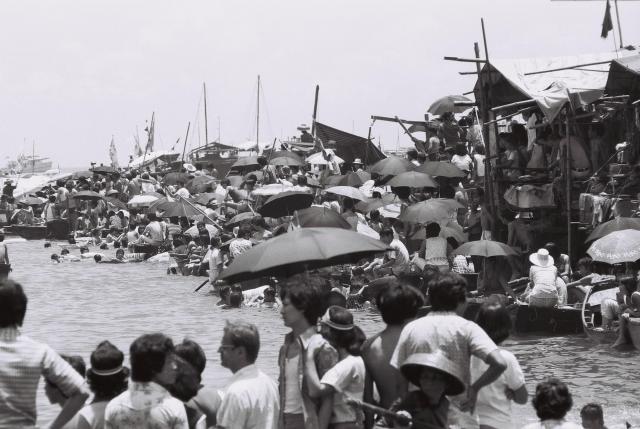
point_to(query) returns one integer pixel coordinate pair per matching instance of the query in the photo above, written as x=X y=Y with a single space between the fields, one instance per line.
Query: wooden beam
x=465 y=60
x=526 y=109
x=510 y=105
x=614 y=97
x=568 y=67
x=389 y=119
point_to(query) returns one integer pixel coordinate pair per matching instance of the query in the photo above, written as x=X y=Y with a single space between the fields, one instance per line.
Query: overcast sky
x=74 y=73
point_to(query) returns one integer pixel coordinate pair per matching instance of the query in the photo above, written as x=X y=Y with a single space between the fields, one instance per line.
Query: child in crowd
x=56 y=396
x=436 y=376
x=494 y=401
x=592 y=416
x=346 y=378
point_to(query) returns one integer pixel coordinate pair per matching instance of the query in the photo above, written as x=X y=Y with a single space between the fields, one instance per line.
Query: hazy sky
x=74 y=73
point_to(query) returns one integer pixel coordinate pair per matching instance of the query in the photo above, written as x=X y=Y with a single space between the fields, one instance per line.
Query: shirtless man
x=398 y=304
x=4 y=256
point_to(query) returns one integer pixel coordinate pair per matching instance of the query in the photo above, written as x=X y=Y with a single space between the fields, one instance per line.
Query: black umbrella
x=175 y=178
x=104 y=169
x=88 y=195
x=351 y=179
x=320 y=217
x=285 y=203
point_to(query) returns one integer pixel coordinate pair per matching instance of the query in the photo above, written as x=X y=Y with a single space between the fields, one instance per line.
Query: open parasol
x=392 y=166
x=440 y=169
x=348 y=191
x=104 y=169
x=616 y=224
x=88 y=195
x=300 y=250
x=246 y=161
x=425 y=212
x=180 y=208
x=485 y=248
x=413 y=179
x=350 y=179
x=286 y=161
x=617 y=247
x=141 y=200
x=320 y=217
x=175 y=178
x=285 y=203
x=450 y=103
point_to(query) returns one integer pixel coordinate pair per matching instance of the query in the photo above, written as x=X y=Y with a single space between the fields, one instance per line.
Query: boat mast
x=33 y=157
x=206 y=131
x=315 y=111
x=258 y=119
x=186 y=137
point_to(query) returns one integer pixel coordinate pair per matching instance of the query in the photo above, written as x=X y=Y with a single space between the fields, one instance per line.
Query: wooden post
x=206 y=128
x=568 y=181
x=615 y=2
x=315 y=111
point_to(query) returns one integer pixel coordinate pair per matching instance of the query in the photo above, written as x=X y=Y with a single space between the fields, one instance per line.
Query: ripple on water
x=74 y=306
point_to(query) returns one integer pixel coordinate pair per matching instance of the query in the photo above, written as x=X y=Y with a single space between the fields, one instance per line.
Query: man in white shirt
x=147 y=403
x=395 y=258
x=459 y=339
x=251 y=399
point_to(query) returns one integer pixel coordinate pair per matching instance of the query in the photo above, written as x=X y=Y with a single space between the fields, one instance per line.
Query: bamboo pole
x=466 y=60
x=526 y=109
x=515 y=104
x=568 y=67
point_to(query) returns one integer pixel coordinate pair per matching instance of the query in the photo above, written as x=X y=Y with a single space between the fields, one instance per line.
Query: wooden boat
x=634 y=331
x=592 y=318
x=30 y=232
x=529 y=319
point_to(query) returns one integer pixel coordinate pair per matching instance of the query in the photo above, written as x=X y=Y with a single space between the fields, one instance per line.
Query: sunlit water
x=74 y=306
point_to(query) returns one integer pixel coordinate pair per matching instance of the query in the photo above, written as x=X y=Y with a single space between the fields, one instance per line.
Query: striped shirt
x=22 y=362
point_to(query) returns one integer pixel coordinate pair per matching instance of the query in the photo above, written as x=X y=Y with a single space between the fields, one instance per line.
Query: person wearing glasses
x=250 y=400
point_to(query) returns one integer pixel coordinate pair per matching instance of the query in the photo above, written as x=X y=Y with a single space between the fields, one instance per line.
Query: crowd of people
x=433 y=371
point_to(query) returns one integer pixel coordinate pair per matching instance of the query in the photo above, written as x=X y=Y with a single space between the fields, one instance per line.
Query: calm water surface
x=74 y=306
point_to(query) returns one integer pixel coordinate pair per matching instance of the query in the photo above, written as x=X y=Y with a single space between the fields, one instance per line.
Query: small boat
x=58 y=229
x=30 y=232
x=591 y=316
x=529 y=319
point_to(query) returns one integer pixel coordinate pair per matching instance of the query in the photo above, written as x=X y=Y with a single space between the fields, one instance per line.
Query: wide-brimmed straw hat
x=357 y=161
x=541 y=258
x=413 y=365
x=106 y=360
x=189 y=167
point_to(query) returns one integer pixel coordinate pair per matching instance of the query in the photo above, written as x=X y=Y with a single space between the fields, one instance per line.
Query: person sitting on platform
x=153 y=234
x=545 y=289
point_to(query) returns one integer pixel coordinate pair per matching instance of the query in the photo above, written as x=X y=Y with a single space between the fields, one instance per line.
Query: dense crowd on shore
x=434 y=371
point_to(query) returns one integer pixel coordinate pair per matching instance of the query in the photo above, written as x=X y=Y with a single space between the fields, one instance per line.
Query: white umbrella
x=348 y=191
x=272 y=189
x=318 y=158
x=193 y=231
x=365 y=229
x=141 y=200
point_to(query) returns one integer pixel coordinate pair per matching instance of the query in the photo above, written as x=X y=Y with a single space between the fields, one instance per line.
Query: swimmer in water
x=55 y=259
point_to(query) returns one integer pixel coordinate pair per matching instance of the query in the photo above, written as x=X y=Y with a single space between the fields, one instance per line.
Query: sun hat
x=541 y=258
x=357 y=161
x=524 y=215
x=189 y=167
x=413 y=365
x=106 y=360
x=326 y=320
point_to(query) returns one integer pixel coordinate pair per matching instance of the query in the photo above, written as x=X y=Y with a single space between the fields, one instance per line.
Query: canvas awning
x=511 y=81
x=624 y=77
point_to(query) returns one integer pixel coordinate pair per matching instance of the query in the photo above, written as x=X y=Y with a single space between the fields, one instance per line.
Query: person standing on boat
x=50 y=211
x=9 y=187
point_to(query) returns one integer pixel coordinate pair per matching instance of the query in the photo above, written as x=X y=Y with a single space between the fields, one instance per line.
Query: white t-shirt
x=215 y=264
x=493 y=408
x=464 y=162
x=399 y=252
x=347 y=378
x=479 y=164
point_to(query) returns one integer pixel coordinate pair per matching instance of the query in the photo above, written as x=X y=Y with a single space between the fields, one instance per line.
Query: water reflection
x=74 y=306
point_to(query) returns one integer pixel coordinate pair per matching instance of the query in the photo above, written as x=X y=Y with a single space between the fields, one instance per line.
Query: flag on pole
x=113 y=154
x=150 y=133
x=137 y=150
x=607 y=24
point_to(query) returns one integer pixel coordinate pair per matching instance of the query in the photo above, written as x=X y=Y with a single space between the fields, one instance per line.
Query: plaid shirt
x=22 y=363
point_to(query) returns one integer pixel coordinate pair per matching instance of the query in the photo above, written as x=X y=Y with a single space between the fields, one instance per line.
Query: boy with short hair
x=592 y=416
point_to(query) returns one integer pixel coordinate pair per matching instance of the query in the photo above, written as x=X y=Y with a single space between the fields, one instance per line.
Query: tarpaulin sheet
x=550 y=90
x=624 y=77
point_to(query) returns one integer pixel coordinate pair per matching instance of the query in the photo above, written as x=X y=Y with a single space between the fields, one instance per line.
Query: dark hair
x=432 y=229
x=447 y=291
x=244 y=231
x=461 y=149
x=351 y=340
x=235 y=299
x=242 y=334
x=552 y=399
x=13 y=304
x=592 y=411
x=304 y=298
x=412 y=154
x=387 y=232
x=348 y=204
x=191 y=351
x=148 y=354
x=479 y=149
x=399 y=303
x=225 y=291
x=554 y=250
x=106 y=387
x=585 y=262
x=76 y=362
x=302 y=181
x=494 y=319
x=215 y=241
x=151 y=217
